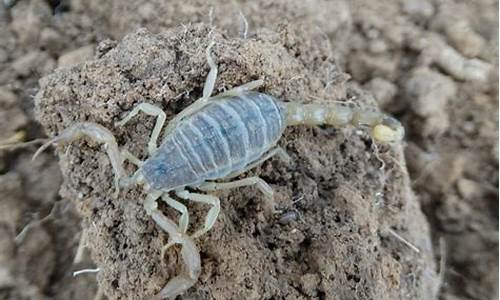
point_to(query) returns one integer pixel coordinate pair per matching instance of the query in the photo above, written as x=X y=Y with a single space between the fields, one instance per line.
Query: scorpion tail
x=383 y=128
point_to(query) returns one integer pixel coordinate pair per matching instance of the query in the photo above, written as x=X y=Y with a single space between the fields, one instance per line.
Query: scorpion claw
x=190 y=254
x=176 y=286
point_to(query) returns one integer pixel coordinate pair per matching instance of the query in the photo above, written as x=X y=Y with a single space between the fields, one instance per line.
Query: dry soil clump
x=340 y=245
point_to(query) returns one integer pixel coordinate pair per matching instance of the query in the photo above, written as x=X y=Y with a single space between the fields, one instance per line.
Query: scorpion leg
x=189 y=252
x=255 y=180
x=132 y=158
x=136 y=177
x=151 y=110
x=236 y=91
x=184 y=219
x=212 y=213
x=208 y=88
x=97 y=133
x=207 y=92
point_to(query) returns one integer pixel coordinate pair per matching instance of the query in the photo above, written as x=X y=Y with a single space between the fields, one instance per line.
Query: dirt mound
x=347 y=205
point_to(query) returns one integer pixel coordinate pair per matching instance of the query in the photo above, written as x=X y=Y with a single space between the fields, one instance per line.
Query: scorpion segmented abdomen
x=223 y=137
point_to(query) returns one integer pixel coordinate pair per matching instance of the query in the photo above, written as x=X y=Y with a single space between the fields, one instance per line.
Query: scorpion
x=216 y=137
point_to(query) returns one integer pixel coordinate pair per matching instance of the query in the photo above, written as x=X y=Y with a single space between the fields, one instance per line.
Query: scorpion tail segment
x=384 y=129
x=189 y=253
x=97 y=133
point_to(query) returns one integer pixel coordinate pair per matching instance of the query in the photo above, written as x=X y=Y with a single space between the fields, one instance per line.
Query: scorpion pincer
x=217 y=137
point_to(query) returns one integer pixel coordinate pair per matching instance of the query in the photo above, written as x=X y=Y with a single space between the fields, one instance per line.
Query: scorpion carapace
x=217 y=137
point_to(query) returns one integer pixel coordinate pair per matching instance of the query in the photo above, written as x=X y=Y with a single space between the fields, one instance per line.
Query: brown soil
x=343 y=206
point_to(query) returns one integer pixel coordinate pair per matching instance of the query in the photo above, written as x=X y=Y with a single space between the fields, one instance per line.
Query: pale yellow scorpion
x=216 y=137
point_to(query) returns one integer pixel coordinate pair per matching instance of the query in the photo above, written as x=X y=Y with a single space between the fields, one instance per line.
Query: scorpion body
x=233 y=132
x=220 y=139
x=216 y=137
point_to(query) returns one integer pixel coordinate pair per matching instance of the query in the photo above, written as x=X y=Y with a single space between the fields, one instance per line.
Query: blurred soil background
x=431 y=63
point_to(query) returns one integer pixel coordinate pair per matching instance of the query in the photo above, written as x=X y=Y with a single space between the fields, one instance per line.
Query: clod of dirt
x=52 y=41
x=10 y=207
x=36 y=257
x=7 y=250
x=12 y=118
x=469 y=189
x=458 y=30
x=418 y=9
x=428 y=94
x=7 y=254
x=430 y=90
x=383 y=91
x=28 y=20
x=42 y=176
x=464 y=38
x=436 y=173
x=338 y=248
x=33 y=62
x=76 y=56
